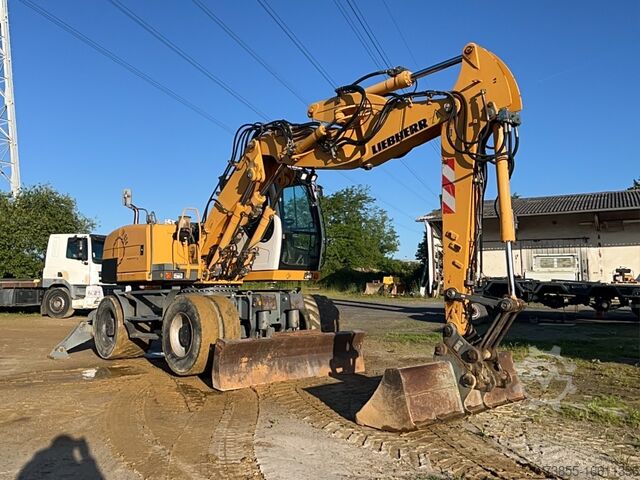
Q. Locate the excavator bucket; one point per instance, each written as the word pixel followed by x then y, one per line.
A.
pixel 409 398
pixel 285 356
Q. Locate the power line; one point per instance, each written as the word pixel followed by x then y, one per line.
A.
pixel 390 205
pixel 248 49
pixel 410 189
pixel 402 37
pixel 357 33
pixel 296 41
pixel 372 37
pixel 172 46
pixel 367 30
pixel 123 63
pixel 419 179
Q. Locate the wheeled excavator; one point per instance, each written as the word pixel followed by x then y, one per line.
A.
pixel 181 284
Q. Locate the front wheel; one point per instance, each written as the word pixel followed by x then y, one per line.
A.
pixel 57 303
pixel 110 334
pixel 190 326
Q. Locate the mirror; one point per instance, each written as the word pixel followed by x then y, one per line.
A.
pixel 126 197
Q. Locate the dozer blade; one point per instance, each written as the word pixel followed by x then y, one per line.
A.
pixel 285 356
pixel 413 397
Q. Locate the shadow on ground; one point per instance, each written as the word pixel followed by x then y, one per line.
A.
pixel 66 457
pixel 429 312
pixel 347 396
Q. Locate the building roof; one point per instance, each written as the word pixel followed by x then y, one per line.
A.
pixel 562 204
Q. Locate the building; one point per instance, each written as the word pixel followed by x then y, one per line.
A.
pixel 583 236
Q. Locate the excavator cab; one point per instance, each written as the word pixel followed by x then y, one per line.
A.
pixel 294 240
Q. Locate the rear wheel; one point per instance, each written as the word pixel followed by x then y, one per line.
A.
pixel 110 334
pixel 57 303
pixel 191 325
pixel 320 313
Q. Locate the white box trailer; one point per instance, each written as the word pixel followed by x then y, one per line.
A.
pixel 70 279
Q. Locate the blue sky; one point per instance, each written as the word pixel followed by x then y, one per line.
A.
pixel 90 128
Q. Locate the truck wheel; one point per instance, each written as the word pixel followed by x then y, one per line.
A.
pixel 320 313
pixel 57 303
pixel 190 326
pixel 110 334
pixel 479 314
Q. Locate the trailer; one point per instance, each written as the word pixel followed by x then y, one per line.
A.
pixel 71 279
pixel 600 296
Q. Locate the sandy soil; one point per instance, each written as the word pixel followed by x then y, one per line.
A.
pixel 89 418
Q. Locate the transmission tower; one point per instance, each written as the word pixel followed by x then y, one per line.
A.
pixel 9 162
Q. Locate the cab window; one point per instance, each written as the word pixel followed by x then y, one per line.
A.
pixel 97 248
pixel 77 248
pixel 300 229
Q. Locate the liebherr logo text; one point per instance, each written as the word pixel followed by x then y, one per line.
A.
pixel 401 135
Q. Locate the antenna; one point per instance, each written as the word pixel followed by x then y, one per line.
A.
pixel 9 162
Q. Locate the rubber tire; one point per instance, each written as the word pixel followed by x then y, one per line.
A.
pixel 205 322
pixel 119 345
pixel 62 294
pixel 320 313
pixel 230 316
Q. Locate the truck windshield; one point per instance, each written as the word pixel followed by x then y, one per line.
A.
pixel 97 245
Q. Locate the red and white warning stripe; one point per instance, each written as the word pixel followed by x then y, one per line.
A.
pixel 448 186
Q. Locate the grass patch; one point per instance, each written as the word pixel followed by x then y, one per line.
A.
pixel 606 349
pixel 519 350
pixel 606 410
pixel 413 338
pixel 20 313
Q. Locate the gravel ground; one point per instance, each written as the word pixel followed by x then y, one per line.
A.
pixel 88 418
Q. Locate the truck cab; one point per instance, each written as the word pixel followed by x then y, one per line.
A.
pixel 71 275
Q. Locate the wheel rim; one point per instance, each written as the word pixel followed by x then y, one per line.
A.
pixel 107 327
pixel 57 303
pixel 180 334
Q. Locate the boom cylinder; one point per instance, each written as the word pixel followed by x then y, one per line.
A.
pixel 507 228
pixel 507 224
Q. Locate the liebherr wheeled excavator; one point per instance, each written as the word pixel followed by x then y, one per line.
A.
pixel 181 283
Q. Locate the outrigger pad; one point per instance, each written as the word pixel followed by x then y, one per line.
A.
pixel 409 398
pixel 285 356
pixel 82 333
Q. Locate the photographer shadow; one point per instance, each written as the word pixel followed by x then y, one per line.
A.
pixel 66 457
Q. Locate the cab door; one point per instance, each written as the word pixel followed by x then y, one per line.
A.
pixel 302 239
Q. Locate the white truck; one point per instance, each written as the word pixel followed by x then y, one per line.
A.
pixel 70 279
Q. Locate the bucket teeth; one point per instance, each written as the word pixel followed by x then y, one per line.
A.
pixel 285 356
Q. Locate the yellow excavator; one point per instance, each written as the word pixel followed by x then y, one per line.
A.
pixel 181 283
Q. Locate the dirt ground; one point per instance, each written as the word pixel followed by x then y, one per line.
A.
pixel 88 418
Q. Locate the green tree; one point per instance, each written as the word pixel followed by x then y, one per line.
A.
pixel 635 185
pixel 421 253
pixel 26 222
pixel 359 233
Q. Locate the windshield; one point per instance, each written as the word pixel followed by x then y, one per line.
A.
pixel 97 246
